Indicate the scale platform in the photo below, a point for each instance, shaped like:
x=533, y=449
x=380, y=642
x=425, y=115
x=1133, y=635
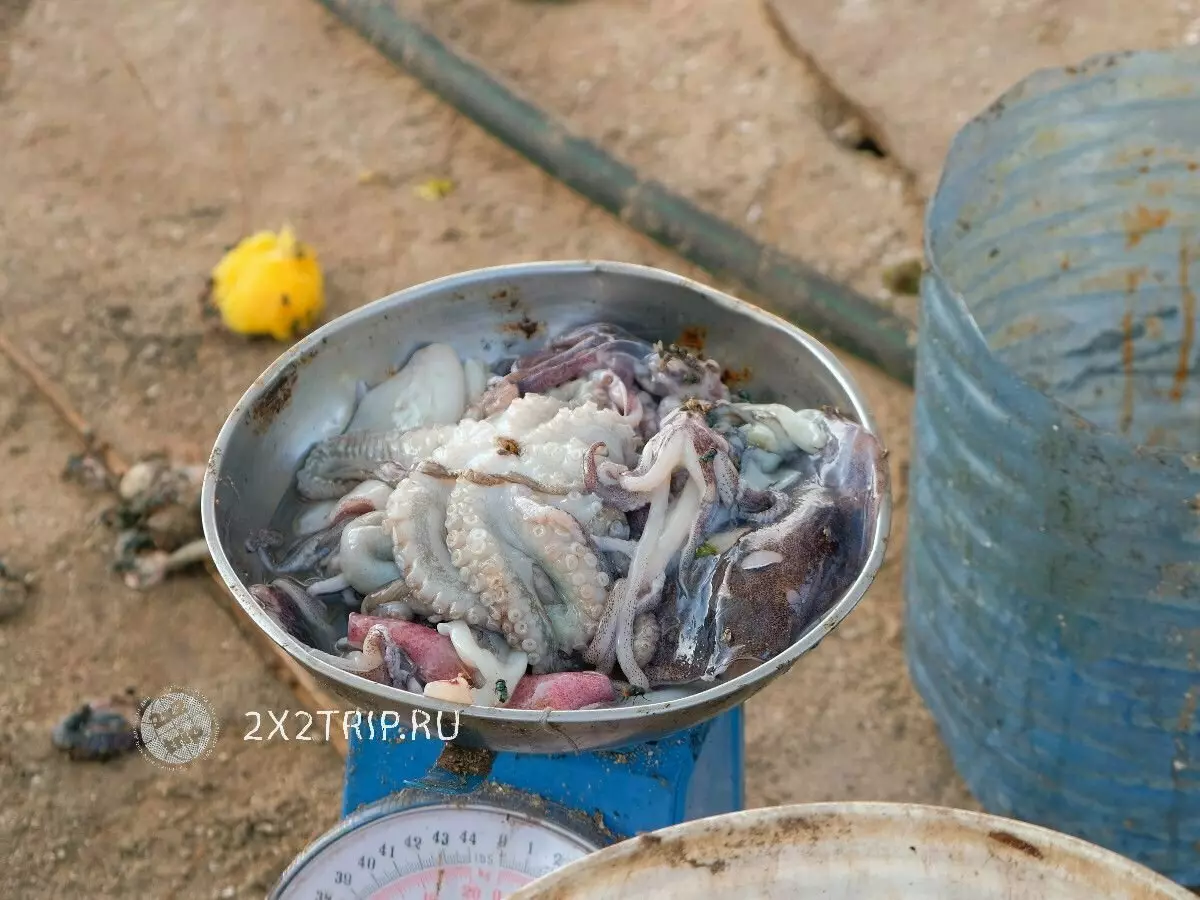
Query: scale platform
x=427, y=820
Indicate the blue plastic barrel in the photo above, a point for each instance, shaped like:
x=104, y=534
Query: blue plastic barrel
x=1053, y=571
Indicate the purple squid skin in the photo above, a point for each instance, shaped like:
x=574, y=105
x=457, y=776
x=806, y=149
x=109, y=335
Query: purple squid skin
x=297, y=612
x=738, y=614
x=640, y=364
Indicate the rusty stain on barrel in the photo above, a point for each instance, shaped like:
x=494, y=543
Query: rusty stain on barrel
x=1141, y=222
x=1188, y=304
x=1127, y=348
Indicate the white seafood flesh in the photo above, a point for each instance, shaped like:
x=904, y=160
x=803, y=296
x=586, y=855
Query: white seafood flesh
x=430, y=390
x=780, y=429
x=499, y=671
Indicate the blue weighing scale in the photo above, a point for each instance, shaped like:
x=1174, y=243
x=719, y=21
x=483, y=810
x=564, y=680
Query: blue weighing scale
x=425, y=820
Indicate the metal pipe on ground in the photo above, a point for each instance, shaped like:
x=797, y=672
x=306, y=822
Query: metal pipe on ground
x=787, y=286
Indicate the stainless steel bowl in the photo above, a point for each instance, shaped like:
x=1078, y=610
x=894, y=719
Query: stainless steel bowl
x=850, y=851
x=497, y=313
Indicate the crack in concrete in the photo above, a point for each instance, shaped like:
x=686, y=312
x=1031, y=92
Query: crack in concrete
x=847, y=123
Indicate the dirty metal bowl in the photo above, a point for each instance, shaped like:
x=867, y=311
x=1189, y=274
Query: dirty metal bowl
x=854, y=851
x=306, y=395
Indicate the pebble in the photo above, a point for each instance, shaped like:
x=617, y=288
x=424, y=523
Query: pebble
x=227, y=892
x=139, y=479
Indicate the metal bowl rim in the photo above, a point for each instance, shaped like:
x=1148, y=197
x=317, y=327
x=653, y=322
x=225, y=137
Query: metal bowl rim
x=764, y=672
x=977, y=825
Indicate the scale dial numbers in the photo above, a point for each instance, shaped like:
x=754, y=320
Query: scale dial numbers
x=436, y=852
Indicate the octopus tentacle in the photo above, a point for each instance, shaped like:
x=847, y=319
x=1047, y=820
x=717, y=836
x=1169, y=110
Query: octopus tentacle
x=623, y=605
x=336, y=464
x=588, y=424
x=557, y=468
x=304, y=555
x=496, y=398
x=590, y=512
x=570, y=364
x=503, y=580
x=646, y=634
x=602, y=478
x=417, y=514
x=367, y=554
x=685, y=451
x=367, y=497
x=719, y=476
x=559, y=546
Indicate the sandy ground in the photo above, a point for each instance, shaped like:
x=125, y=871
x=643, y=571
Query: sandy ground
x=139, y=140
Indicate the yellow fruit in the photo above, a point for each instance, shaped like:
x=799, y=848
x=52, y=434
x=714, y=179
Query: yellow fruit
x=269, y=284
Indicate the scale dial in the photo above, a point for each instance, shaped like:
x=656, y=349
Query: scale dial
x=438, y=850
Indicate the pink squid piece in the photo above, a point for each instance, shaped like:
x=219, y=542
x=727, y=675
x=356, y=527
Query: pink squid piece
x=431, y=652
x=562, y=691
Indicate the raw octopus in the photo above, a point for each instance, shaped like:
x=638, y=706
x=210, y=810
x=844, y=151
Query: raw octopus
x=603, y=508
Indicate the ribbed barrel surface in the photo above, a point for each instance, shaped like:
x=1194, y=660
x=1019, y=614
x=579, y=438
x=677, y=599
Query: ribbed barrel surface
x=1053, y=571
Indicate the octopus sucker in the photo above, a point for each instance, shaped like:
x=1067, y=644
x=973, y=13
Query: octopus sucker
x=603, y=504
x=494, y=557
x=416, y=515
x=569, y=563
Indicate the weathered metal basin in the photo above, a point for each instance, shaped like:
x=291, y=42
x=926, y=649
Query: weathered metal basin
x=1053, y=570
x=854, y=851
x=494, y=314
